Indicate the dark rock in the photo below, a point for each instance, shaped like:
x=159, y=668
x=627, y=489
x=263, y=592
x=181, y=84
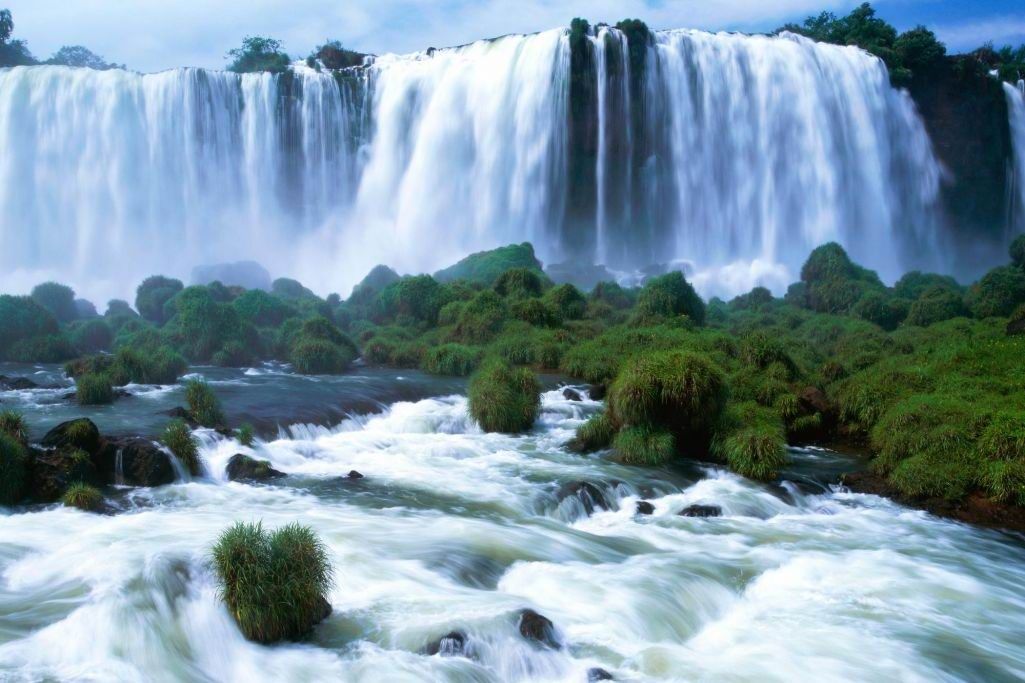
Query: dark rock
x=538, y=628
x=78, y=433
x=701, y=511
x=597, y=391
x=179, y=413
x=1016, y=327
x=645, y=508
x=589, y=495
x=449, y=645
x=353, y=474
x=598, y=674
x=16, y=383
x=243, y=468
x=322, y=612
x=247, y=274
x=571, y=394
x=813, y=400
x=53, y=471
x=135, y=462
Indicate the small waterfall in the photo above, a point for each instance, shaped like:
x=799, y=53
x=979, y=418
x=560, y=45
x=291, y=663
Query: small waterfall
x=119, y=468
x=738, y=154
x=1016, y=110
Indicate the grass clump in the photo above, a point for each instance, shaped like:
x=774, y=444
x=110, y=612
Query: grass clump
x=451, y=359
x=12, y=423
x=936, y=304
x=203, y=403
x=752, y=440
x=13, y=470
x=183, y=445
x=94, y=390
x=83, y=496
x=644, y=445
x=671, y=295
x=273, y=584
x=246, y=435
x=503, y=398
x=595, y=434
x=481, y=318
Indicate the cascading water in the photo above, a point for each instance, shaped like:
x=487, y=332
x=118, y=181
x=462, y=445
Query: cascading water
x=1016, y=111
x=736, y=153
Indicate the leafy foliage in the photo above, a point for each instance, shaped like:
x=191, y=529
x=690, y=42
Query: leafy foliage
x=503, y=398
x=257, y=54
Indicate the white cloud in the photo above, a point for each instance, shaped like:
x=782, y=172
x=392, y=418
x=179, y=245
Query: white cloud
x=999, y=30
x=155, y=34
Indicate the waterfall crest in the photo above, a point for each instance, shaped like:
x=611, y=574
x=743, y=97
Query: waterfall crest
x=736, y=154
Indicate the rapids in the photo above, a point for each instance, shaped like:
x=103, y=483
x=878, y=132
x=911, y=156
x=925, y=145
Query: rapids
x=454, y=529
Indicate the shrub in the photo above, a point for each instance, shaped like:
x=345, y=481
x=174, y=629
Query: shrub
x=998, y=293
x=183, y=445
x=1004, y=437
x=273, y=584
x=486, y=267
x=884, y=311
x=671, y=295
x=503, y=398
x=752, y=441
x=1017, y=251
x=94, y=390
x=319, y=357
x=203, y=403
x=117, y=308
x=83, y=496
x=51, y=348
x=153, y=294
x=644, y=445
x=14, y=473
x=92, y=336
x=201, y=327
x=481, y=318
x=832, y=282
x=12, y=423
x=451, y=359
x=58, y=299
x=418, y=297
x=519, y=283
x=22, y=318
x=914, y=284
x=936, y=304
x=567, y=301
x=245, y=435
x=595, y=434
x=613, y=294
x=257, y=54
x=682, y=390
x=263, y=309
x=536, y=312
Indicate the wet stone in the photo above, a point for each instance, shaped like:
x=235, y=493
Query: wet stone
x=538, y=628
x=701, y=511
x=645, y=508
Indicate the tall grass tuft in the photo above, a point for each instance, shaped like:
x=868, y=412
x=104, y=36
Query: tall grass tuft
x=203, y=403
x=180, y=441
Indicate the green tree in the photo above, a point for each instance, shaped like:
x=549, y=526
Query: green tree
x=12, y=52
x=82, y=57
x=257, y=54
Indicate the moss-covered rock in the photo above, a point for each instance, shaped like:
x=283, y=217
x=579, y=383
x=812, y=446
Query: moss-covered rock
x=671, y=295
x=485, y=267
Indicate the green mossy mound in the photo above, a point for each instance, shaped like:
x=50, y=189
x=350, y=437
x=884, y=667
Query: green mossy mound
x=671, y=295
x=644, y=445
x=153, y=294
x=751, y=439
x=503, y=398
x=83, y=497
x=486, y=267
x=183, y=445
x=94, y=390
x=595, y=434
x=451, y=359
x=273, y=584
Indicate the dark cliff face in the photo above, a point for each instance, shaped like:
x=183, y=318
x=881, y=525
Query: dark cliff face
x=965, y=113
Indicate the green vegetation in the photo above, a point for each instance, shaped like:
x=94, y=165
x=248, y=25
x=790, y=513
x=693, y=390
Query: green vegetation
x=12, y=423
x=486, y=267
x=257, y=54
x=246, y=435
x=94, y=389
x=183, y=445
x=331, y=55
x=203, y=404
x=153, y=294
x=58, y=299
x=273, y=583
x=13, y=470
x=83, y=496
x=504, y=398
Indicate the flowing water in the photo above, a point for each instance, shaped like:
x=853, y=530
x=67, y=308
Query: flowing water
x=734, y=154
x=1016, y=109
x=454, y=529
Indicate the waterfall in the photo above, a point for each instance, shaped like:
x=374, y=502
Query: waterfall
x=1016, y=110
x=734, y=154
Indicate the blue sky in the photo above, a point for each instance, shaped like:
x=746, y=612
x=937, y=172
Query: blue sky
x=150, y=35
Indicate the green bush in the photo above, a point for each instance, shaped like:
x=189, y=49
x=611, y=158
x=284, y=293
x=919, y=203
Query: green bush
x=83, y=496
x=153, y=294
x=246, y=435
x=52, y=348
x=936, y=304
x=832, y=282
x=1005, y=481
x=503, y=398
x=273, y=583
x=1017, y=251
x=91, y=336
x=998, y=293
x=680, y=390
x=752, y=441
x=203, y=403
x=595, y=434
x=257, y=54
x=644, y=445
x=481, y=318
x=263, y=309
x=201, y=328
x=94, y=390
x=12, y=423
x=567, y=300
x=419, y=297
x=671, y=295
x=885, y=311
x=451, y=359
x=485, y=267
x=1004, y=437
x=14, y=474
x=319, y=357
x=916, y=283
x=183, y=445
x=22, y=318
x=58, y=299
x=536, y=312
x=613, y=294
x=520, y=283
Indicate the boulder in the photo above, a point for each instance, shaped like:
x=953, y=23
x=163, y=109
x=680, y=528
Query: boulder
x=701, y=511
x=134, y=461
x=589, y=495
x=538, y=628
x=16, y=383
x=78, y=433
x=451, y=644
x=645, y=508
x=571, y=394
x=598, y=674
x=243, y=468
x=53, y=471
x=353, y=474
x=813, y=400
x=597, y=391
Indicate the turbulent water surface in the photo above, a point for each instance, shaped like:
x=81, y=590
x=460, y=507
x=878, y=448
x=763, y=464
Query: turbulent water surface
x=454, y=529
x=737, y=154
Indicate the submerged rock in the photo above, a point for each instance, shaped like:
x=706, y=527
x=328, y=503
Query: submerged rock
x=598, y=674
x=589, y=495
x=241, y=467
x=78, y=433
x=571, y=394
x=538, y=628
x=134, y=461
x=451, y=644
x=645, y=508
x=701, y=511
